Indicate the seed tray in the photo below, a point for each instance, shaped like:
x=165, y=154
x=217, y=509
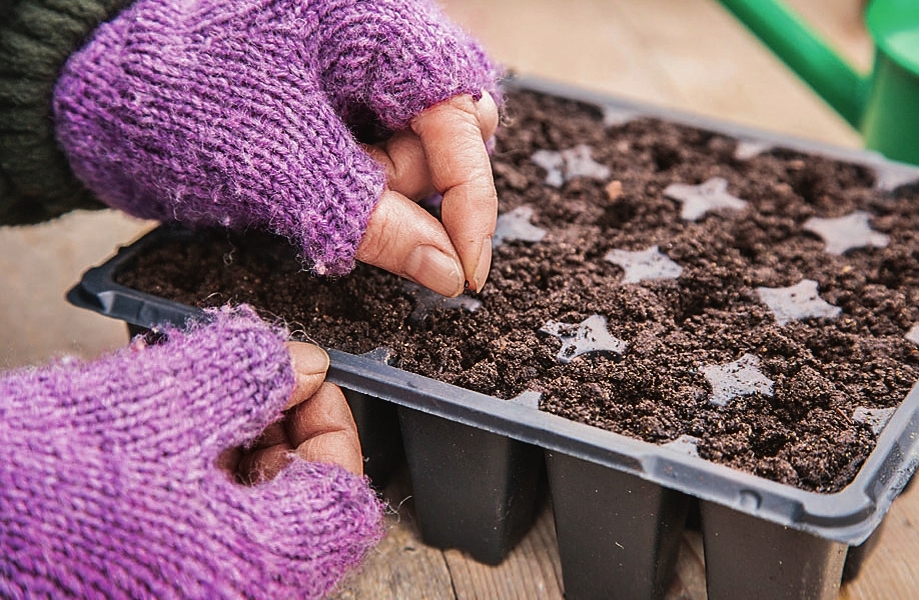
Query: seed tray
x=478, y=463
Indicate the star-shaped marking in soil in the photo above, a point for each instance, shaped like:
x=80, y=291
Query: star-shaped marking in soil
x=747, y=149
x=797, y=302
x=913, y=334
x=845, y=233
x=590, y=335
x=529, y=398
x=875, y=418
x=618, y=115
x=426, y=301
x=644, y=264
x=734, y=379
x=890, y=176
x=699, y=199
x=685, y=444
x=566, y=165
x=381, y=354
x=515, y=225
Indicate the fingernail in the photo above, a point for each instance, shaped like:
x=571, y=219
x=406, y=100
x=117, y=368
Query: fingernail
x=309, y=359
x=435, y=270
x=483, y=266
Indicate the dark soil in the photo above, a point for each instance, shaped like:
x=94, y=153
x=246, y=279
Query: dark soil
x=805, y=434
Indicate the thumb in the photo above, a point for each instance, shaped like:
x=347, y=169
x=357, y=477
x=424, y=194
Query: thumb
x=322, y=429
x=319, y=428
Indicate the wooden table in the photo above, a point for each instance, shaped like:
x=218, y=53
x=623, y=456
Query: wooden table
x=403, y=568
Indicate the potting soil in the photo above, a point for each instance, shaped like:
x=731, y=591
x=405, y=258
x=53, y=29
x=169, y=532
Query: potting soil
x=757, y=307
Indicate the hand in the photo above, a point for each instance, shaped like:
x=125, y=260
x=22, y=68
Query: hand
x=110, y=482
x=444, y=151
x=160, y=117
x=317, y=425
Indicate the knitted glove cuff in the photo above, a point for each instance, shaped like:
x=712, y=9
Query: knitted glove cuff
x=36, y=37
x=216, y=385
x=425, y=59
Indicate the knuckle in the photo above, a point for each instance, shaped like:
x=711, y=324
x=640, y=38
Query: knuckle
x=373, y=245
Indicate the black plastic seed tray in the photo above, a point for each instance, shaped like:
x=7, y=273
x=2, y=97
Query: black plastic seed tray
x=478, y=463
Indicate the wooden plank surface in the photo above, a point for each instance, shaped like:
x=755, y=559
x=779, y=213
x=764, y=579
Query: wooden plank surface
x=403, y=568
x=892, y=571
x=686, y=54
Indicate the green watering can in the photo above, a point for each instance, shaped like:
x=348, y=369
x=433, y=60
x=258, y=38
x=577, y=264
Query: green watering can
x=883, y=105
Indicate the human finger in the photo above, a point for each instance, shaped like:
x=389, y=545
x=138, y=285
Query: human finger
x=404, y=159
x=406, y=166
x=451, y=134
x=403, y=238
x=273, y=435
x=228, y=460
x=322, y=429
x=487, y=113
x=263, y=464
x=310, y=364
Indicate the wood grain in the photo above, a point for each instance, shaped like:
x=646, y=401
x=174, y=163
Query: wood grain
x=892, y=570
x=400, y=568
x=531, y=571
x=690, y=55
x=403, y=568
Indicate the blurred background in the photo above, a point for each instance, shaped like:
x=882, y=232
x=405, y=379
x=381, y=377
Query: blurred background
x=686, y=54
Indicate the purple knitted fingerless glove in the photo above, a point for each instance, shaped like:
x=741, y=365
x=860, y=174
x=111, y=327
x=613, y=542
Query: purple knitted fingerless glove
x=109, y=488
x=241, y=112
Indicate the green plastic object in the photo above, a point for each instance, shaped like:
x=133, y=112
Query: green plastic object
x=883, y=106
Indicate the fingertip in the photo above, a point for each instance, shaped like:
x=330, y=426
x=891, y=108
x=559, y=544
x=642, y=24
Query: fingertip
x=310, y=364
x=482, y=267
x=404, y=239
x=487, y=114
x=436, y=270
x=307, y=358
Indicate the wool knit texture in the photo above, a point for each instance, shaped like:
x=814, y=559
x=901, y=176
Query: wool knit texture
x=109, y=488
x=243, y=113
